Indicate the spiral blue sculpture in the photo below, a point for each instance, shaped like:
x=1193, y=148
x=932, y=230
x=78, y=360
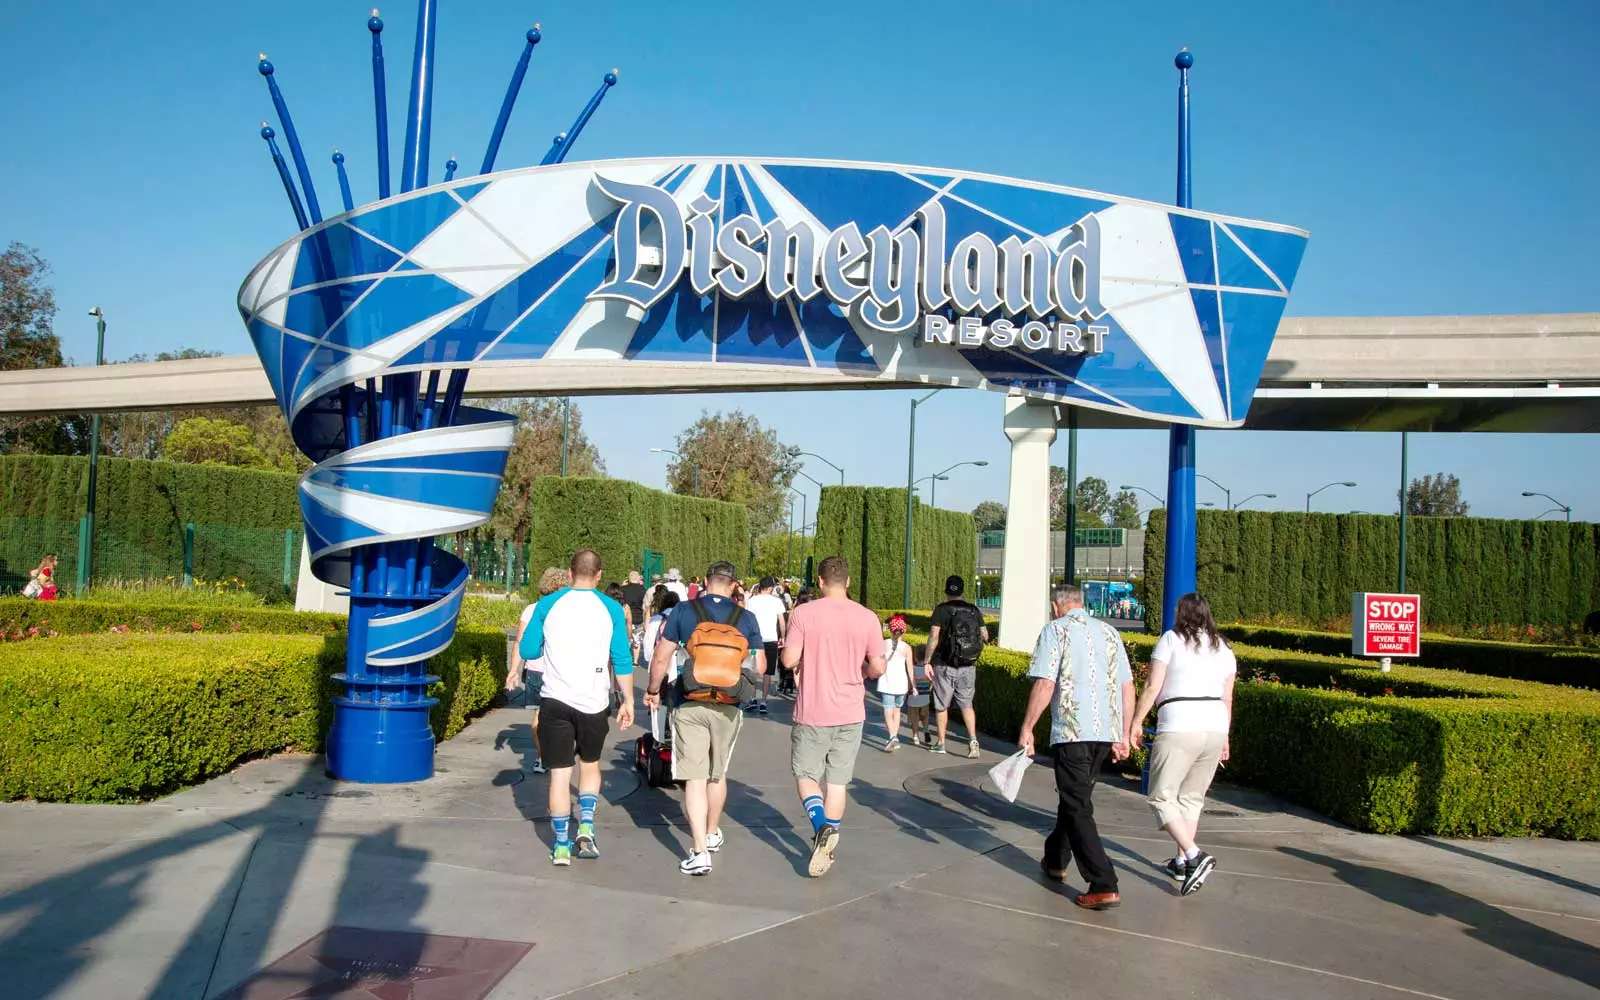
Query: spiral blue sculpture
x=346, y=336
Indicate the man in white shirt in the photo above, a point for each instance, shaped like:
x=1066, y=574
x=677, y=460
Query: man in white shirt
x=675, y=584
x=581, y=633
x=770, y=614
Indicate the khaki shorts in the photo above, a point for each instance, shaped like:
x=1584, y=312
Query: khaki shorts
x=1181, y=768
x=825, y=754
x=703, y=735
x=953, y=684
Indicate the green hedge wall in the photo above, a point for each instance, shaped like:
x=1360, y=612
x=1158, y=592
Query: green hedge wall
x=867, y=525
x=620, y=519
x=73, y=617
x=141, y=508
x=1469, y=571
x=118, y=717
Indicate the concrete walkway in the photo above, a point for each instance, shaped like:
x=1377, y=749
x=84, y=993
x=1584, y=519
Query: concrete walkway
x=936, y=892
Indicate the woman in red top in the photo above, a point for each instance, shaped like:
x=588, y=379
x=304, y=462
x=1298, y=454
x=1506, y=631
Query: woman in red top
x=44, y=576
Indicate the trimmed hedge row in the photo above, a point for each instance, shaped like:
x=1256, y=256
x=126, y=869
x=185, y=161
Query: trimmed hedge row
x=1417, y=750
x=1469, y=570
x=118, y=717
x=867, y=526
x=73, y=617
x=1520, y=661
x=620, y=519
x=141, y=508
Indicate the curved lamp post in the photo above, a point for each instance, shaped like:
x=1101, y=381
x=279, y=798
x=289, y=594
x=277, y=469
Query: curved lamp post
x=679, y=454
x=933, y=490
x=1269, y=496
x=1564, y=508
x=1227, y=494
x=1319, y=489
x=812, y=454
x=911, y=484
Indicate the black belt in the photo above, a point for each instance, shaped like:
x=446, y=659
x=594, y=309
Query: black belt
x=1163, y=704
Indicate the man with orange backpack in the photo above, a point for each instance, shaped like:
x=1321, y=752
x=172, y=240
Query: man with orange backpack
x=725, y=657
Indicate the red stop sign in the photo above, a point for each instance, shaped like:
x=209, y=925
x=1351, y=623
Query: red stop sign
x=1386, y=625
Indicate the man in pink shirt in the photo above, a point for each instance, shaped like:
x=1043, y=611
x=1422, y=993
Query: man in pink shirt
x=834, y=646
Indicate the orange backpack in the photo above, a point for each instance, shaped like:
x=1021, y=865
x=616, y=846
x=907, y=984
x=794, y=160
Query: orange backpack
x=717, y=654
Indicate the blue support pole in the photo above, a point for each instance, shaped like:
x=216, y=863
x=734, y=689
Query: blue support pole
x=344, y=182
x=264, y=66
x=512, y=90
x=555, y=147
x=380, y=101
x=419, y=112
x=283, y=174
x=450, y=166
x=1181, y=527
x=559, y=153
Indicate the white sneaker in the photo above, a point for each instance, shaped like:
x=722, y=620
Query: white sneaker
x=714, y=841
x=697, y=863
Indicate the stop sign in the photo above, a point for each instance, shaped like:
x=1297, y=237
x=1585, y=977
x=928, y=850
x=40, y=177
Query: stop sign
x=1386, y=625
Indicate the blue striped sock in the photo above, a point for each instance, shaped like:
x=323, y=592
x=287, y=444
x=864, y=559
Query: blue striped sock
x=813, y=804
x=560, y=823
x=586, y=804
x=834, y=822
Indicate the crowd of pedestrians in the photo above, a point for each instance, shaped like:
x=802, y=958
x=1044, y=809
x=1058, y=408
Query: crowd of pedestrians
x=711, y=650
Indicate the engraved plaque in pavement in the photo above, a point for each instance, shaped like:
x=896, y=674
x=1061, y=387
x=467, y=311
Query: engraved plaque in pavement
x=354, y=963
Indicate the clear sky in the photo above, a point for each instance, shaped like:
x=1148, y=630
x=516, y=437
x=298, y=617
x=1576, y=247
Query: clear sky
x=1442, y=155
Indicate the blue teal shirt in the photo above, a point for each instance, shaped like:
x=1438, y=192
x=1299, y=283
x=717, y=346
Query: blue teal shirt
x=578, y=633
x=1089, y=664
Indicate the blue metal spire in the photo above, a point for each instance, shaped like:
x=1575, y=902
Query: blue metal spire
x=419, y=113
x=512, y=90
x=1181, y=519
x=380, y=101
x=555, y=147
x=559, y=153
x=265, y=67
x=344, y=182
x=450, y=166
x=283, y=174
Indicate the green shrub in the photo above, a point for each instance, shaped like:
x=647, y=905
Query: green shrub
x=480, y=612
x=205, y=593
x=77, y=617
x=119, y=717
x=619, y=520
x=867, y=526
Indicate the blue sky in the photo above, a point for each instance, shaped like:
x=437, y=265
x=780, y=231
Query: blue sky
x=1442, y=156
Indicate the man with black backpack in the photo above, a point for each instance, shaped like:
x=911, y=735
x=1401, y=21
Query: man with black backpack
x=956, y=636
x=723, y=642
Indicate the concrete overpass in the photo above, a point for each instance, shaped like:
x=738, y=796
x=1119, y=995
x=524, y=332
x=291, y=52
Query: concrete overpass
x=1529, y=373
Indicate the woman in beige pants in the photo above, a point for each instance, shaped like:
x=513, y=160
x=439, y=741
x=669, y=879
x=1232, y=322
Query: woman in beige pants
x=1191, y=686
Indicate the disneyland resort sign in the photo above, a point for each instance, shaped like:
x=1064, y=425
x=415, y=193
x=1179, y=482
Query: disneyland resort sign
x=1047, y=297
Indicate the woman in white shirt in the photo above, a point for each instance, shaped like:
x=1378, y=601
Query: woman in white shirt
x=896, y=683
x=1191, y=686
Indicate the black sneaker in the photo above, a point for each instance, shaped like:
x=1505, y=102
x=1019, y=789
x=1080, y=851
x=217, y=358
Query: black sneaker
x=1178, y=870
x=822, y=848
x=1200, y=869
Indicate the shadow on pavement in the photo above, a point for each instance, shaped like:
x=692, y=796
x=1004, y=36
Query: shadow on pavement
x=1491, y=925
x=1537, y=873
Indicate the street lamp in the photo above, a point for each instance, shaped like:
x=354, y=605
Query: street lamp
x=1160, y=500
x=802, y=497
x=1319, y=489
x=679, y=454
x=928, y=478
x=566, y=425
x=933, y=490
x=86, y=529
x=1527, y=493
x=1227, y=494
x=1269, y=496
x=812, y=454
x=911, y=475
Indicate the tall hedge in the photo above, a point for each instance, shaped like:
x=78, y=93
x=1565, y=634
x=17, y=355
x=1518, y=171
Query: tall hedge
x=1469, y=571
x=141, y=507
x=620, y=519
x=867, y=525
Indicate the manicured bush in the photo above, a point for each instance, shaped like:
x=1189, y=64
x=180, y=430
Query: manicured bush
x=119, y=717
x=141, y=508
x=1545, y=664
x=867, y=526
x=620, y=519
x=72, y=617
x=1254, y=565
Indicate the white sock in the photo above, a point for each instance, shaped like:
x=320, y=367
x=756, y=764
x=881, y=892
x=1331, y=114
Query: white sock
x=1191, y=855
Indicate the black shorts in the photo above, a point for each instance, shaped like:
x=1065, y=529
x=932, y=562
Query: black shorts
x=567, y=735
x=774, y=659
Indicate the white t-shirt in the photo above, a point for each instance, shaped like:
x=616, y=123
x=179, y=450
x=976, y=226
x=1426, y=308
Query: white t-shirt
x=896, y=677
x=767, y=608
x=677, y=587
x=580, y=633
x=535, y=665
x=1193, y=673
x=652, y=633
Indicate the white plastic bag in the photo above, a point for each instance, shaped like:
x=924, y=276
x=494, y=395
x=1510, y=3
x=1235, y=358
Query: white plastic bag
x=1007, y=775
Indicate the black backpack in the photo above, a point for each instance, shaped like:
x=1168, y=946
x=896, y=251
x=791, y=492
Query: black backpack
x=966, y=636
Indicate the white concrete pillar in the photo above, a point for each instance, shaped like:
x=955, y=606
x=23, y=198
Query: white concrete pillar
x=311, y=594
x=1025, y=576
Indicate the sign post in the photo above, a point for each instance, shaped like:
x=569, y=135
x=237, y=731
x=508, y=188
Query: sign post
x=1386, y=625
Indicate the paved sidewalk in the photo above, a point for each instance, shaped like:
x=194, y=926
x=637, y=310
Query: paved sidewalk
x=936, y=892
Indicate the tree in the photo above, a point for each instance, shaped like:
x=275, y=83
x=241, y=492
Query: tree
x=212, y=441
x=1125, y=510
x=1438, y=495
x=1094, y=502
x=1058, y=497
x=732, y=457
x=535, y=452
x=990, y=515
x=28, y=341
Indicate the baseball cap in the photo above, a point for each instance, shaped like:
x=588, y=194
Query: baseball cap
x=954, y=585
x=722, y=569
x=766, y=582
